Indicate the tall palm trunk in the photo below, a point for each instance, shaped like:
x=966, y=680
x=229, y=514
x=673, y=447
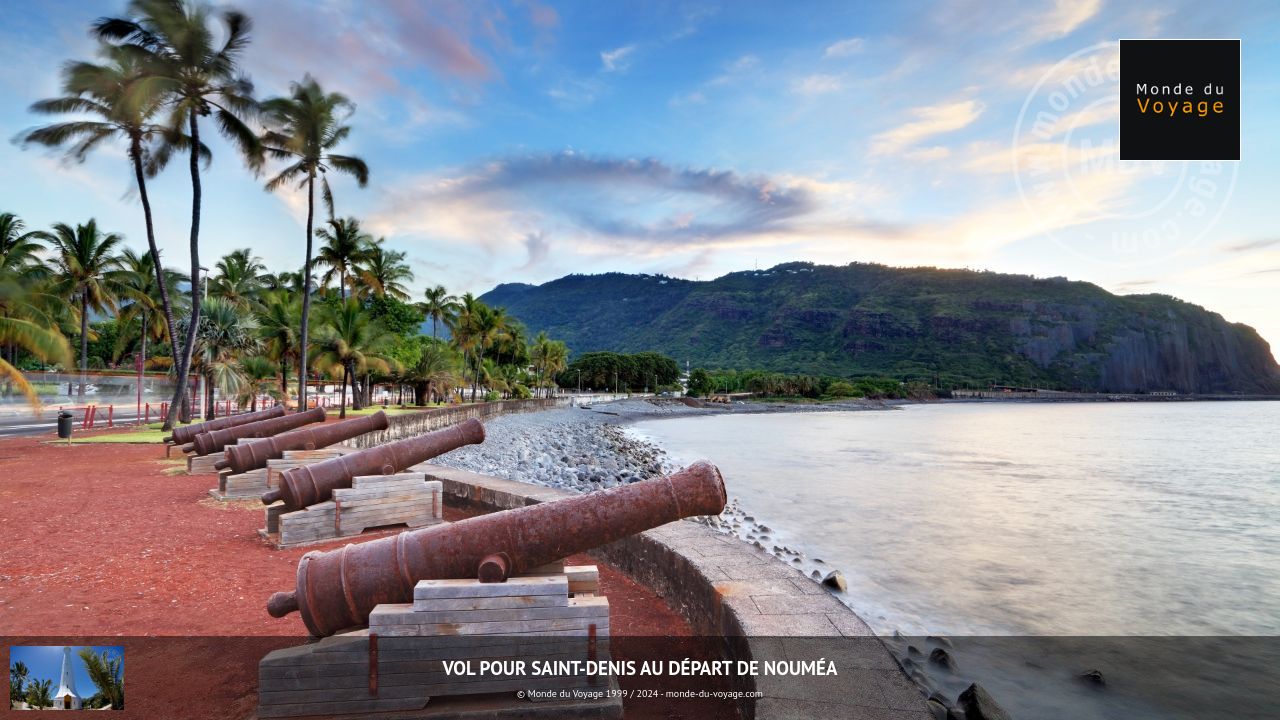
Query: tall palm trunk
x=210, y=411
x=189, y=344
x=84, y=338
x=284, y=376
x=306, y=296
x=350, y=371
x=342, y=411
x=135, y=153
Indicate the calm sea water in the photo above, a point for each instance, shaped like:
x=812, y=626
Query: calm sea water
x=1021, y=519
x=1020, y=529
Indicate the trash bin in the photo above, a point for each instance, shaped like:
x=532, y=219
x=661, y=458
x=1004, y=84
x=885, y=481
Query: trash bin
x=64, y=425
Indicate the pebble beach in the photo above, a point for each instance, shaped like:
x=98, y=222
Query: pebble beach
x=586, y=448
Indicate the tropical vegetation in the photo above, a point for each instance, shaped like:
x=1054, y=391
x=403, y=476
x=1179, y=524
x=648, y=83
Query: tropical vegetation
x=165, y=70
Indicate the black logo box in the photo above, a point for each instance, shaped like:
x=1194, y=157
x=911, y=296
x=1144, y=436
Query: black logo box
x=1211, y=131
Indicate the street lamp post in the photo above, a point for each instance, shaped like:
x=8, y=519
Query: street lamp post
x=579, y=381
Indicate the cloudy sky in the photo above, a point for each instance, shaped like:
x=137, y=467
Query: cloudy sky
x=523, y=141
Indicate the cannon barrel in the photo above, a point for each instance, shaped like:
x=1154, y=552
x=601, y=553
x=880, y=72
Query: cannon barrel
x=183, y=434
x=253, y=455
x=314, y=483
x=215, y=441
x=339, y=588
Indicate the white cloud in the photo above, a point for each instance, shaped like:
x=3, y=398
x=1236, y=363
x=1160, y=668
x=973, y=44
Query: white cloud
x=616, y=60
x=844, y=48
x=930, y=120
x=816, y=85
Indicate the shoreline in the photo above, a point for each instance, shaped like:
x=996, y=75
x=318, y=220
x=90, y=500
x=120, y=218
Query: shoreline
x=588, y=448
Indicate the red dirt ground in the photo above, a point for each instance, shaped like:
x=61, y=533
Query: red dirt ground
x=98, y=540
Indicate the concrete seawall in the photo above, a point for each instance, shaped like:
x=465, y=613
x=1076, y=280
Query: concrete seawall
x=761, y=608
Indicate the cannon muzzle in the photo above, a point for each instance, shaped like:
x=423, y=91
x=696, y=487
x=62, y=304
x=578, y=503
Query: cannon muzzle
x=215, y=441
x=339, y=588
x=185, y=433
x=253, y=455
x=314, y=483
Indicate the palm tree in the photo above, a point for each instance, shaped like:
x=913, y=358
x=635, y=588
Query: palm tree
x=107, y=672
x=225, y=333
x=197, y=78
x=125, y=104
x=304, y=129
x=239, y=277
x=549, y=357
x=384, y=272
x=18, y=674
x=40, y=694
x=20, y=249
x=20, y=262
x=439, y=306
x=435, y=373
x=139, y=295
x=342, y=253
x=87, y=270
x=278, y=318
x=259, y=373
x=352, y=341
x=465, y=331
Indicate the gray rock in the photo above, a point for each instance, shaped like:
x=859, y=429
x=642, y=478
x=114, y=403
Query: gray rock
x=978, y=704
x=835, y=580
x=942, y=659
x=1093, y=677
x=936, y=709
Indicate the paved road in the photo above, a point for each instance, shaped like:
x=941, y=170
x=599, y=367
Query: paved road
x=47, y=423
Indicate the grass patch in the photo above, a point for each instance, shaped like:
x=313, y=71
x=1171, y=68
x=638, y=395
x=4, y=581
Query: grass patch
x=137, y=436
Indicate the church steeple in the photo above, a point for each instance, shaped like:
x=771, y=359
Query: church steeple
x=66, y=698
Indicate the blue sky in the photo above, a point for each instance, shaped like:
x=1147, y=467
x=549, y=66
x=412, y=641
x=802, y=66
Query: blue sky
x=522, y=141
x=44, y=662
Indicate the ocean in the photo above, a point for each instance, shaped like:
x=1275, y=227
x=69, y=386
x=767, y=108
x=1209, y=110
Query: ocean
x=1003, y=526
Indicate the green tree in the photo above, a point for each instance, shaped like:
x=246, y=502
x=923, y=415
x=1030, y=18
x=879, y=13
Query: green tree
x=141, y=317
x=198, y=78
x=18, y=674
x=107, y=672
x=239, y=278
x=40, y=694
x=304, y=129
x=383, y=272
x=345, y=248
x=225, y=334
x=20, y=249
x=87, y=270
x=259, y=374
x=700, y=384
x=439, y=306
x=436, y=371
x=125, y=104
x=279, y=316
x=350, y=340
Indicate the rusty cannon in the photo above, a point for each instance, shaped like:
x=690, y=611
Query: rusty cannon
x=311, y=484
x=338, y=589
x=211, y=442
x=253, y=455
x=184, y=434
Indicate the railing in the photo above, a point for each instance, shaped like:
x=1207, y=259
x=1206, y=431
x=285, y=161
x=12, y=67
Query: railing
x=411, y=424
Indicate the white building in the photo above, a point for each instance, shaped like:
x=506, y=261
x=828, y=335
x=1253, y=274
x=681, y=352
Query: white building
x=66, y=698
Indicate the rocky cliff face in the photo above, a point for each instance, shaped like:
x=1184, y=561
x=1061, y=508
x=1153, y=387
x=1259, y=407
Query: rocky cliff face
x=960, y=327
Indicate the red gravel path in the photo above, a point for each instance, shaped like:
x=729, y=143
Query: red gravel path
x=99, y=540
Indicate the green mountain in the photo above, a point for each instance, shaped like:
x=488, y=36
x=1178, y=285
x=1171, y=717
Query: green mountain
x=964, y=327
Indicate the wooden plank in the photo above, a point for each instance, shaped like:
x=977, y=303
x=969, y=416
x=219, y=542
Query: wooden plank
x=400, y=614
x=490, y=603
x=512, y=627
x=522, y=585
